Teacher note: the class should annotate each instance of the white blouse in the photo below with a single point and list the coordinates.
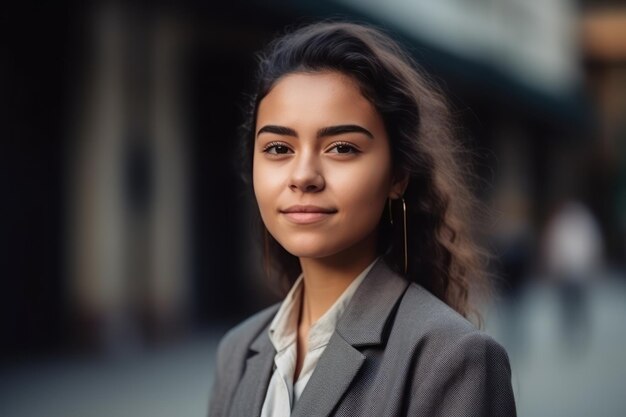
(282, 394)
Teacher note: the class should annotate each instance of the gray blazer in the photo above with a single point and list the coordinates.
(397, 351)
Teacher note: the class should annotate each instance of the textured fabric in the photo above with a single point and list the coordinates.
(282, 393)
(397, 350)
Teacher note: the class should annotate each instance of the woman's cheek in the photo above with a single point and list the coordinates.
(264, 183)
(369, 183)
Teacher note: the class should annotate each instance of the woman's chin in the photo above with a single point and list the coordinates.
(320, 246)
(310, 250)
(310, 253)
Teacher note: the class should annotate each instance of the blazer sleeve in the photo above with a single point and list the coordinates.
(469, 377)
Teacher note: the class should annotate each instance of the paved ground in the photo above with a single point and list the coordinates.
(557, 372)
(567, 362)
(172, 382)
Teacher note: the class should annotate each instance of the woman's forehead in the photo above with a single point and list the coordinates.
(330, 97)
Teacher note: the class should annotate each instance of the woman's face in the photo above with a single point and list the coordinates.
(322, 164)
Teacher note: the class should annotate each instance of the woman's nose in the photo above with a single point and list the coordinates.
(306, 176)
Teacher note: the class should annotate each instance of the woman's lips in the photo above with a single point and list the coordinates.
(306, 218)
(307, 214)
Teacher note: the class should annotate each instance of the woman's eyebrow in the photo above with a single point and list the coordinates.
(340, 129)
(323, 132)
(278, 130)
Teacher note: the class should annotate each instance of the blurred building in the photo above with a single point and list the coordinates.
(603, 30)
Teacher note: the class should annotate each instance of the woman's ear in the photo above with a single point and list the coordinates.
(398, 187)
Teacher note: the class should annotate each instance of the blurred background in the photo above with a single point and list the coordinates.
(126, 249)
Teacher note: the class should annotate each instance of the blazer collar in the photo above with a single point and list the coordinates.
(362, 324)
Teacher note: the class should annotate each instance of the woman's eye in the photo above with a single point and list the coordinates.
(343, 148)
(276, 149)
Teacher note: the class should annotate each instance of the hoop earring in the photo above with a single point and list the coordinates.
(404, 233)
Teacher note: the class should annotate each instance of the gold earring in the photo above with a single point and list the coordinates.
(405, 237)
(390, 212)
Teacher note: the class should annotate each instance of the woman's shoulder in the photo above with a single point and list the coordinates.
(246, 331)
(230, 359)
(457, 368)
(429, 322)
(242, 334)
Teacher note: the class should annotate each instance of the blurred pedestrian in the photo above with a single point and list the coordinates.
(573, 253)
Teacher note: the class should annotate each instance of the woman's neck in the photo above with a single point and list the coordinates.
(325, 279)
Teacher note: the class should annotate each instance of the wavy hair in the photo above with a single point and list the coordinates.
(443, 255)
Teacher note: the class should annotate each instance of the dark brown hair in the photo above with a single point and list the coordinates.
(443, 257)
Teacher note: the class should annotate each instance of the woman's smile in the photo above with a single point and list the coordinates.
(307, 214)
(306, 217)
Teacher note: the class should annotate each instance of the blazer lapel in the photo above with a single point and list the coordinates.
(250, 394)
(333, 374)
(362, 324)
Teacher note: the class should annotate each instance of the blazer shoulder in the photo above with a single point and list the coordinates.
(242, 335)
(438, 333)
(230, 359)
(457, 368)
(428, 315)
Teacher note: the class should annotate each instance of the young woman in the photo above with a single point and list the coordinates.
(366, 216)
